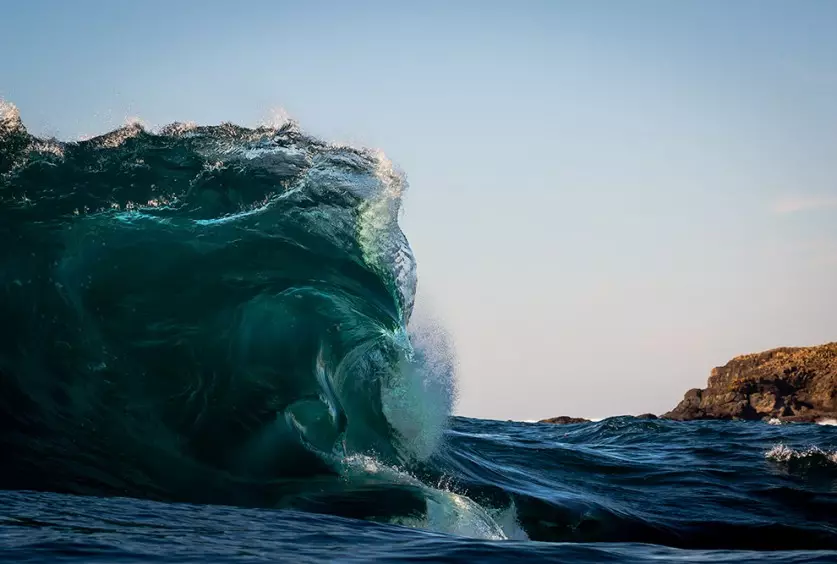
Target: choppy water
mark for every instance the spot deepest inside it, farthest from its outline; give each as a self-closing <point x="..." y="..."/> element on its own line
<point x="209" y="353"/>
<point x="620" y="490"/>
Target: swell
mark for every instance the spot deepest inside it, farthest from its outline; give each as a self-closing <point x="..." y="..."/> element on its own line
<point x="207" y="314"/>
<point x="702" y="485"/>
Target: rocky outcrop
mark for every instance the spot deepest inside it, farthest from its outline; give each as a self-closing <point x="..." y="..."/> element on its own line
<point x="564" y="420"/>
<point x="791" y="384"/>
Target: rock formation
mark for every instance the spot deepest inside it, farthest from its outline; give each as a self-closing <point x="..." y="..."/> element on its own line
<point x="564" y="420"/>
<point x="791" y="384"/>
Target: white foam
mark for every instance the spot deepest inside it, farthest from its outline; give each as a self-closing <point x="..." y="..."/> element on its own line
<point x="132" y="128"/>
<point x="277" y="118"/>
<point x="418" y="397"/>
<point x="447" y="511"/>
<point x="829" y="422"/>
<point x="49" y="147"/>
<point x="783" y="453"/>
<point x="9" y="115"/>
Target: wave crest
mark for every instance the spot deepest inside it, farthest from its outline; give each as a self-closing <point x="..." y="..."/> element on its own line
<point x="812" y="455"/>
<point x="207" y="313"/>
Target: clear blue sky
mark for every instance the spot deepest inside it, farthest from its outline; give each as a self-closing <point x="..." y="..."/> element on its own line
<point x="607" y="198"/>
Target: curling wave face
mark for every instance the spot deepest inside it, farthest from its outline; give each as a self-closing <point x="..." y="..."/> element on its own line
<point x="205" y="314"/>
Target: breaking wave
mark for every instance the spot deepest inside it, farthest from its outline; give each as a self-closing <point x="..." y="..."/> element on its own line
<point x="811" y="455"/>
<point x="224" y="315"/>
<point x="214" y="314"/>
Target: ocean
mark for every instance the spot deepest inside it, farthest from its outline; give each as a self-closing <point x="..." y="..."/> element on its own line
<point x="209" y="353"/>
<point x="620" y="490"/>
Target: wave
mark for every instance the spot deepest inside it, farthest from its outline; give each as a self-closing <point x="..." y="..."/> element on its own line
<point x="210" y="314"/>
<point x="812" y="455"/>
<point x="694" y="485"/>
<point x="225" y="315"/>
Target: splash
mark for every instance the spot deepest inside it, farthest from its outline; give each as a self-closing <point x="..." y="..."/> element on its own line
<point x="9" y="116"/>
<point x="813" y="454"/>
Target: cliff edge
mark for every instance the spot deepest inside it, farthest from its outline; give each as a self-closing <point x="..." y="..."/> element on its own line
<point x="792" y="384"/>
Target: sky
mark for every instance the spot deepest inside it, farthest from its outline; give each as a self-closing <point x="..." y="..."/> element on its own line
<point x="606" y="199"/>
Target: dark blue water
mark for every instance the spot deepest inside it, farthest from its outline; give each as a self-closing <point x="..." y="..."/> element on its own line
<point x="621" y="490"/>
<point x="208" y="352"/>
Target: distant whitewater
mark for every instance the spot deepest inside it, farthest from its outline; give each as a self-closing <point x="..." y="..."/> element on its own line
<point x="208" y="351"/>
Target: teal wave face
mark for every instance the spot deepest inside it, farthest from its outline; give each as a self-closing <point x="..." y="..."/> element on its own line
<point x="204" y="309"/>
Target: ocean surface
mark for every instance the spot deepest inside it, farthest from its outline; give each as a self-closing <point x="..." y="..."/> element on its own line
<point x="209" y="353"/>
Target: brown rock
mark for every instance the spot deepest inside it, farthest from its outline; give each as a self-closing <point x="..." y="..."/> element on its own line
<point x="792" y="384"/>
<point x="564" y="420"/>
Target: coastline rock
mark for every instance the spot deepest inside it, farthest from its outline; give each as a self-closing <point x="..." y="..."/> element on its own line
<point x="646" y="416"/>
<point x="789" y="384"/>
<point x="564" y="420"/>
